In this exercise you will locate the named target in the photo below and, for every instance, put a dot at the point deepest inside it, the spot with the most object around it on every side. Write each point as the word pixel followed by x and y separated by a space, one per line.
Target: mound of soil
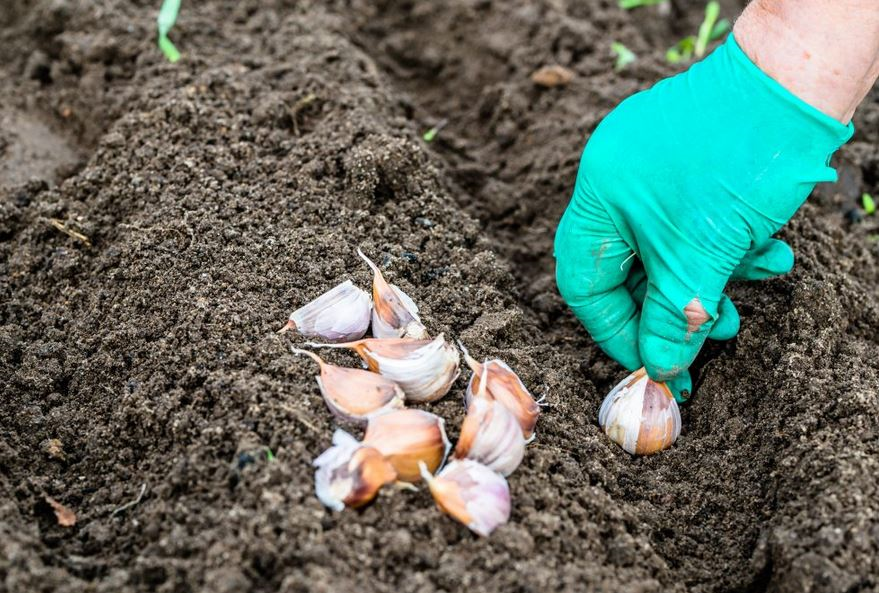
pixel 163 220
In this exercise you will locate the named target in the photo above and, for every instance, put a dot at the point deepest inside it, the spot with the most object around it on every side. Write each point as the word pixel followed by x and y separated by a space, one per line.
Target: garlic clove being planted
pixel 424 369
pixel 394 314
pixel 407 438
pixel 640 415
pixel 339 315
pixel 491 435
pixel 472 493
pixel 504 386
pixel 355 394
pixel 350 474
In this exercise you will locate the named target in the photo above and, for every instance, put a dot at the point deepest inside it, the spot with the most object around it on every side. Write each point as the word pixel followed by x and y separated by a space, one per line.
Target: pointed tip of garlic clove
pixel 640 415
pixel 368 261
pixel 471 362
pixel 394 313
pixel 425 473
pixel 309 354
pixel 473 494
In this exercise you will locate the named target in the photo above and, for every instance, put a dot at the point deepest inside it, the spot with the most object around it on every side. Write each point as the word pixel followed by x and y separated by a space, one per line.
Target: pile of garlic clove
pixel 405 365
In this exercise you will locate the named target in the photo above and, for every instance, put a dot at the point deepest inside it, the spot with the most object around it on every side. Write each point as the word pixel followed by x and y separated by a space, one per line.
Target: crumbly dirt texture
pixel 197 204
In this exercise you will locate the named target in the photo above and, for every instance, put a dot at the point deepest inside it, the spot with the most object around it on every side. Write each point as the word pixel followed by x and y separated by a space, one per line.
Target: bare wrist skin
pixel 826 52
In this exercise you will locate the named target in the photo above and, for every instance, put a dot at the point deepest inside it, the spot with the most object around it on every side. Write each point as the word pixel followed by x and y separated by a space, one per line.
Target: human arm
pixel 694 175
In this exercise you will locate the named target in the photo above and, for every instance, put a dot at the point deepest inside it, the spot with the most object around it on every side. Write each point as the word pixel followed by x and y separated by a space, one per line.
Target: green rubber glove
pixel 680 188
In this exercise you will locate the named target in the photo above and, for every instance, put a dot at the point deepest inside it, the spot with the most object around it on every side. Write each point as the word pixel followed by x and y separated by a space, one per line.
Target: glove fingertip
pixel 782 258
pixel 728 321
pixel 681 387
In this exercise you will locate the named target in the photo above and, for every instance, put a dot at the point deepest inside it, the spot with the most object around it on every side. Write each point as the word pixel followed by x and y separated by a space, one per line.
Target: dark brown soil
pixel 219 193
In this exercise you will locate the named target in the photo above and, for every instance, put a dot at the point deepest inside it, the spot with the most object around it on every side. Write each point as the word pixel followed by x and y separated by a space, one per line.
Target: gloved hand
pixel 680 189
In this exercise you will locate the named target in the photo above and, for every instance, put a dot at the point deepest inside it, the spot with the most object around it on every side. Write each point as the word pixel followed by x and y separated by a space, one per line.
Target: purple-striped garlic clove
pixel 491 435
pixel 640 415
pixel 354 395
pixel 472 493
pixel 394 314
pixel 504 386
pixel 407 438
pixel 350 474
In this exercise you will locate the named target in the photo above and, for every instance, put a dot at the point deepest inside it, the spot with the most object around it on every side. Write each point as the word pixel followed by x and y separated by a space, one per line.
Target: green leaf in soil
pixel 869 204
pixel 712 12
pixel 682 50
pixel 430 135
pixel 625 56
pixel 720 29
pixel 165 22
pixel 630 4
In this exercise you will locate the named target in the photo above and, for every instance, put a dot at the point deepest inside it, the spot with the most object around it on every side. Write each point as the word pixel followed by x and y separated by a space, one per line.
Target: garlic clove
pixel 425 374
pixel 472 493
pixel 504 386
pixel 424 369
pixel 394 314
pixel 355 394
pixel 407 437
pixel 640 415
pixel 492 436
pixel 341 314
pixel 350 474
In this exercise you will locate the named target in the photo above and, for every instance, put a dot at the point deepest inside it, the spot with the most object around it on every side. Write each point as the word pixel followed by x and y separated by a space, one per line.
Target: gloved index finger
pixel 592 264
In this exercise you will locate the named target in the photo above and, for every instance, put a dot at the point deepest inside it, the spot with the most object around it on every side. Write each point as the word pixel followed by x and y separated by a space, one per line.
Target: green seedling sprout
pixel 630 4
pixel 165 21
pixel 720 29
pixel 682 50
pixel 693 45
pixel 712 12
pixel 269 455
pixel 430 135
pixel 625 56
pixel 869 204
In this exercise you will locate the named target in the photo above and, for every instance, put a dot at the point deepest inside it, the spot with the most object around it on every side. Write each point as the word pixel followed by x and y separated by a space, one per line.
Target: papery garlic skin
pixel 407 438
pixel 425 374
pixel 350 474
pixel 394 314
pixel 640 415
pixel 492 436
pixel 472 493
pixel 341 314
pixel 353 395
pixel 505 386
